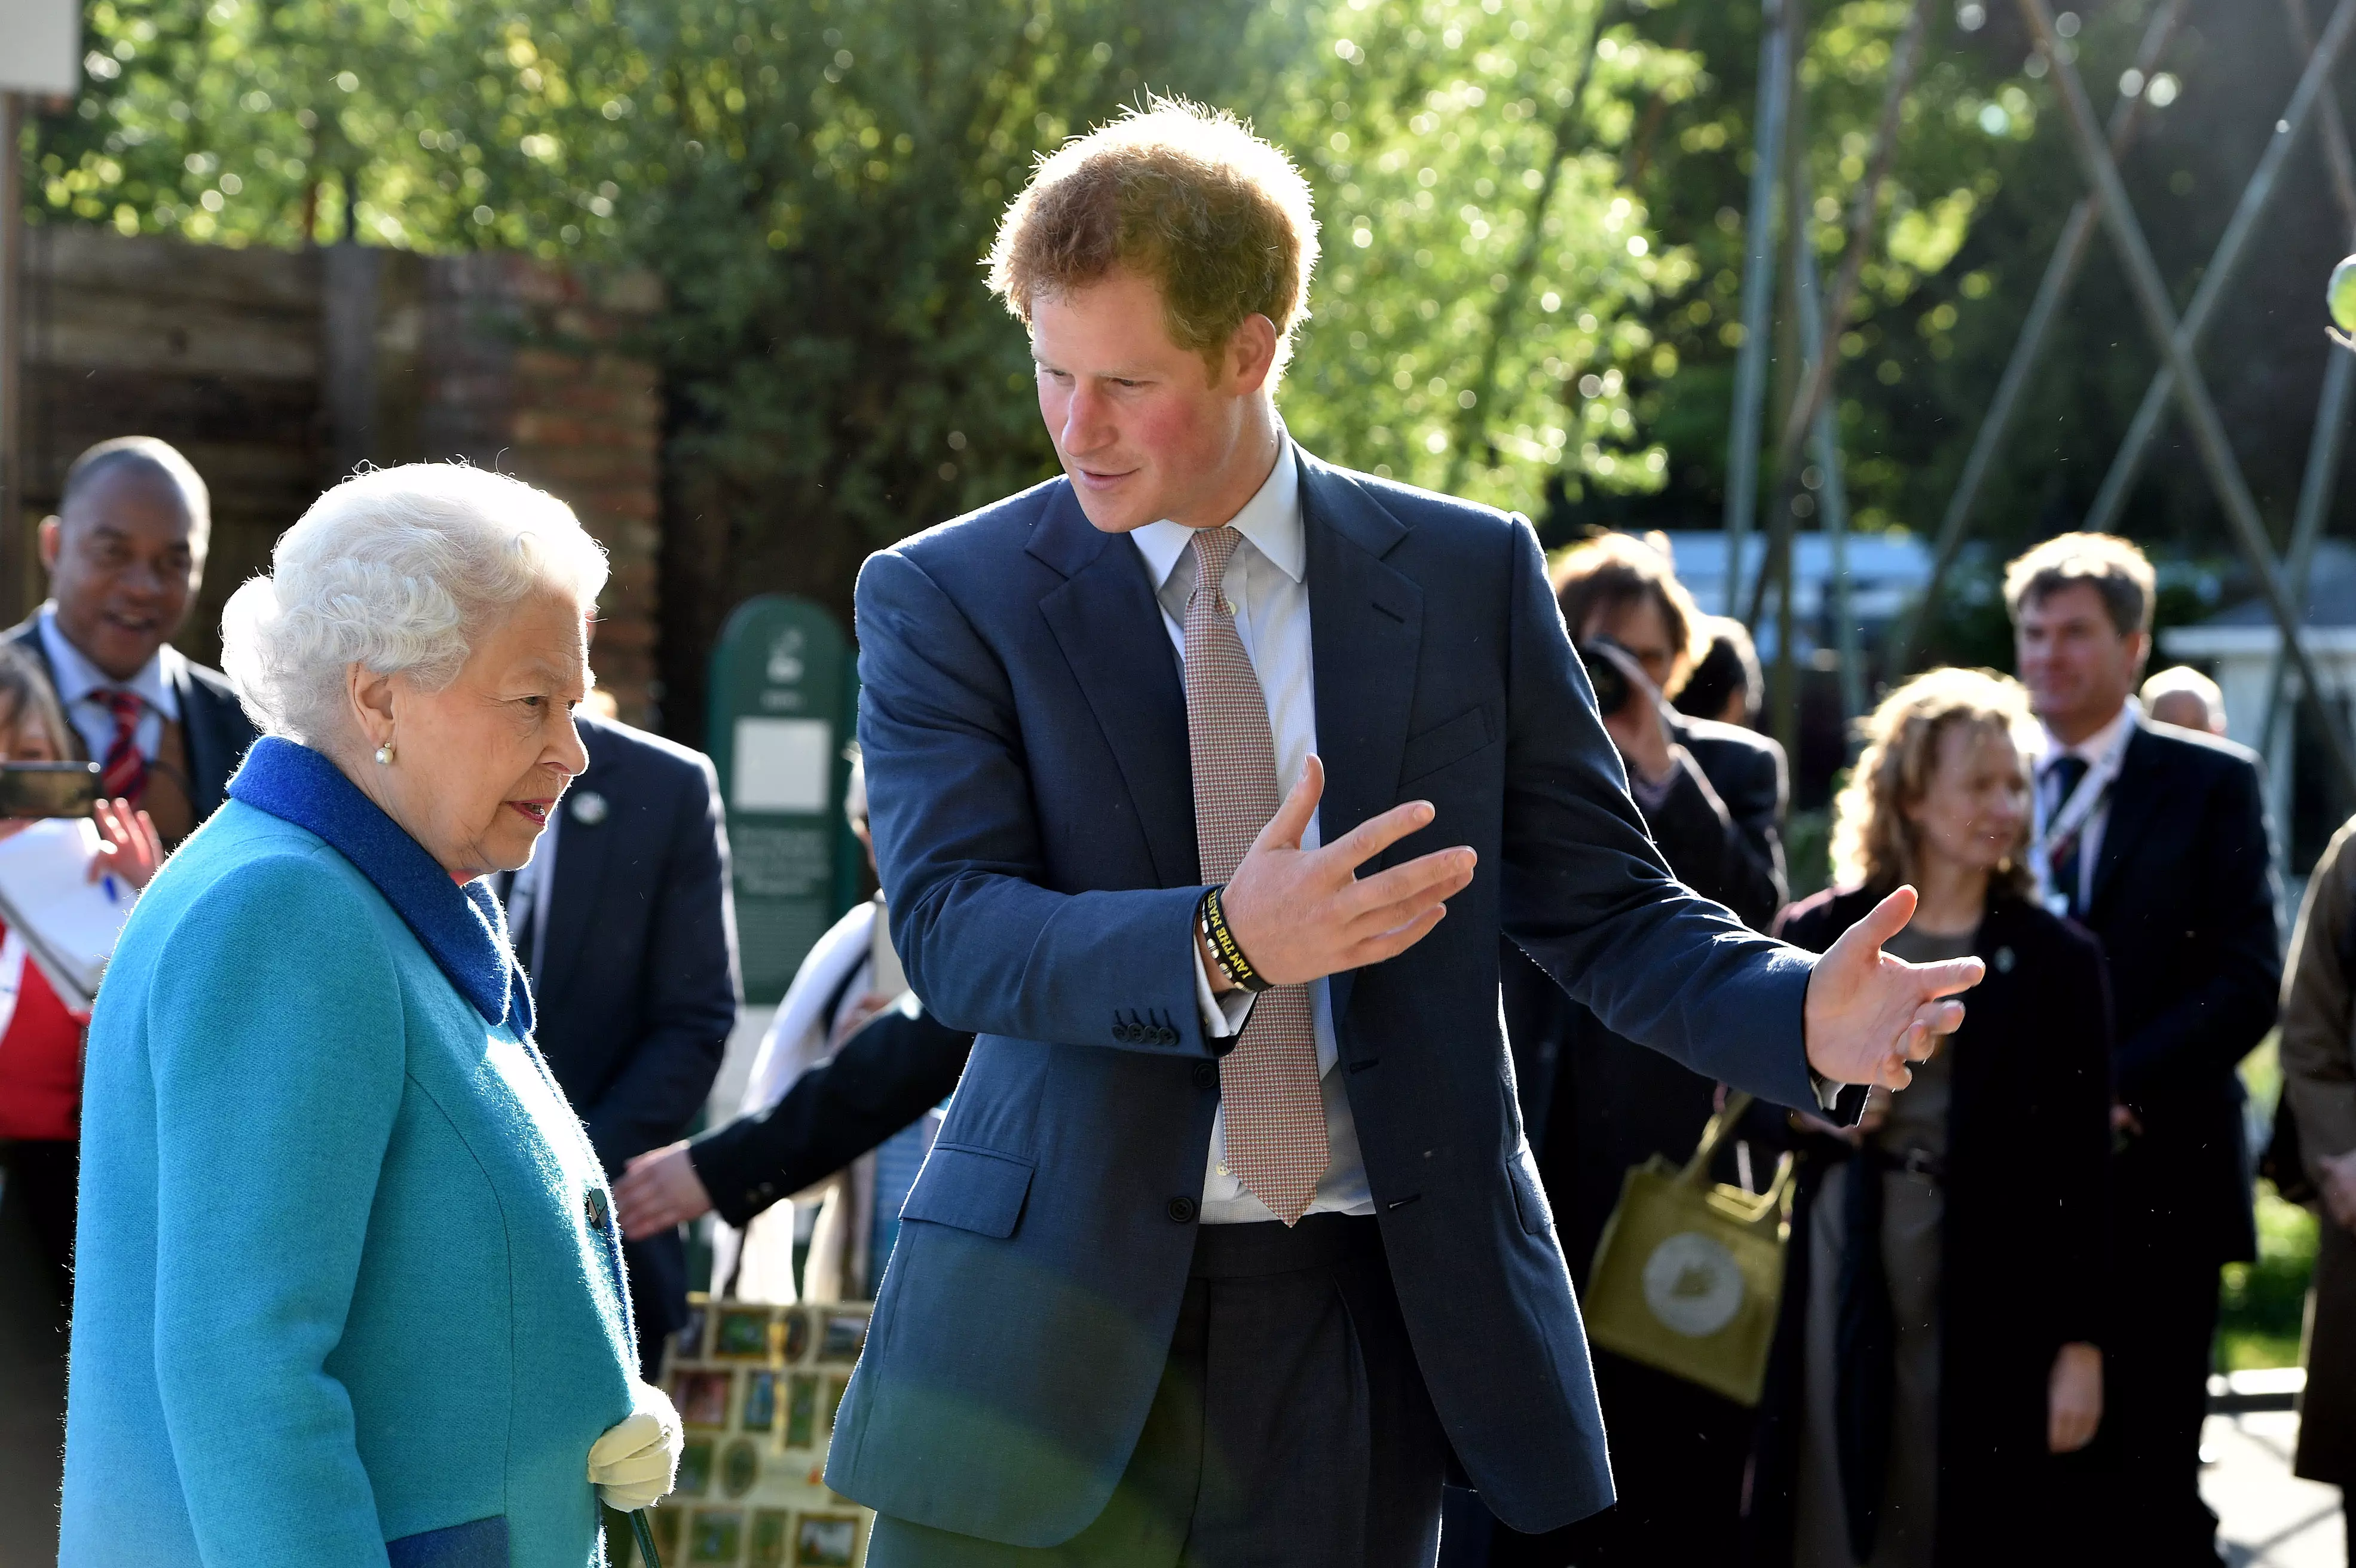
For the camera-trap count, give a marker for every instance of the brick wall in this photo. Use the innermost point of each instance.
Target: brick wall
(279, 371)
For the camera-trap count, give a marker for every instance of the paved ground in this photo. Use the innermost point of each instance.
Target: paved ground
(2269, 1517)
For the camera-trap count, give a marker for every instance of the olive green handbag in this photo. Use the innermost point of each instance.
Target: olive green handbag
(1689, 1271)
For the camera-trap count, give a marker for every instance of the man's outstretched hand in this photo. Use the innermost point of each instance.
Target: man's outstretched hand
(1301, 914)
(1869, 1015)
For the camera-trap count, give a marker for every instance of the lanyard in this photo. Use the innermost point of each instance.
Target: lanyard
(2056, 833)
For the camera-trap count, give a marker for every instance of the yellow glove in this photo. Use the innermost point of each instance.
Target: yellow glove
(632, 1465)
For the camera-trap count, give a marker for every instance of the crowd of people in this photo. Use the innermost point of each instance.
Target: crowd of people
(1300, 918)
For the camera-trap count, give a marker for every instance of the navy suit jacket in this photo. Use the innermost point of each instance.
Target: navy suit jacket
(1024, 727)
(2184, 905)
(638, 989)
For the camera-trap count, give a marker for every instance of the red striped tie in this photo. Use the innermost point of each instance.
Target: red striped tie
(123, 774)
(1269, 1084)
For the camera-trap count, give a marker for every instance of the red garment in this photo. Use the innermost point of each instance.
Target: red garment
(40, 1052)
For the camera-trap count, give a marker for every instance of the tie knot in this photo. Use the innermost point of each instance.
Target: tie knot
(1214, 548)
(126, 705)
(2069, 770)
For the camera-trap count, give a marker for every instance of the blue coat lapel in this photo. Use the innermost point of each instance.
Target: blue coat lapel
(1367, 629)
(464, 929)
(1108, 625)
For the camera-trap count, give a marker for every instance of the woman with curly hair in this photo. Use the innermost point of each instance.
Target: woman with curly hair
(1936, 1353)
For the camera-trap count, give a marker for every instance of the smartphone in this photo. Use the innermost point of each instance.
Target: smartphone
(48, 789)
(1612, 690)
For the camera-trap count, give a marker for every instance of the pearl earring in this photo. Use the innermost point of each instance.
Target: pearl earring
(384, 755)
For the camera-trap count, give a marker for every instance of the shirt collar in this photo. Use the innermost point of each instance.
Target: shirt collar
(463, 929)
(77, 678)
(1271, 520)
(2103, 744)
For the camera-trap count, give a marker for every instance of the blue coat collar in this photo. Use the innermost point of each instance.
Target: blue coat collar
(463, 928)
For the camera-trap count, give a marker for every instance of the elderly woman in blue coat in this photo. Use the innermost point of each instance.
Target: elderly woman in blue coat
(349, 1286)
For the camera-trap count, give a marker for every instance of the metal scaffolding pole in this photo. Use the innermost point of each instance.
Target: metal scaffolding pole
(2232, 246)
(2191, 391)
(1832, 493)
(2060, 273)
(1758, 295)
(2330, 413)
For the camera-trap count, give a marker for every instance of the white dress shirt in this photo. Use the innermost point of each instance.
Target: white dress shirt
(1267, 584)
(2102, 752)
(81, 683)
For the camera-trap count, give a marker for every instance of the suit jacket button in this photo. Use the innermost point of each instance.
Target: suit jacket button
(594, 1204)
(1182, 1211)
(1126, 1034)
(1168, 1037)
(1207, 1074)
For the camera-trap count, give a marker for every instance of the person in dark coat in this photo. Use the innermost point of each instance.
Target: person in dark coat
(2319, 1068)
(1596, 1104)
(2156, 839)
(625, 922)
(889, 1072)
(125, 554)
(1937, 1349)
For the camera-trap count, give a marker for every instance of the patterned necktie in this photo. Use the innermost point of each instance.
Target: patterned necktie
(123, 774)
(1268, 1084)
(2061, 861)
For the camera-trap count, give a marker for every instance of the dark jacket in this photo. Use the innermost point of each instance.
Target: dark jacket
(2023, 1239)
(894, 1068)
(1024, 728)
(1595, 1101)
(2184, 905)
(638, 990)
(212, 720)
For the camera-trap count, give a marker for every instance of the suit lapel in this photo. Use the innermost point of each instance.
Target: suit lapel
(1109, 627)
(2134, 796)
(208, 769)
(582, 852)
(1366, 632)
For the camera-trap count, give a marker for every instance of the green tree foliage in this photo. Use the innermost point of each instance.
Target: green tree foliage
(1532, 229)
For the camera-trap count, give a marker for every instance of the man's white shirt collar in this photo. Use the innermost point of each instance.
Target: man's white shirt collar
(77, 678)
(2103, 745)
(1271, 520)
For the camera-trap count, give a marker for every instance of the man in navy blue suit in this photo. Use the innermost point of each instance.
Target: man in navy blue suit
(1231, 1247)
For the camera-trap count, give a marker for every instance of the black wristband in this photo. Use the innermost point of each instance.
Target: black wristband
(1212, 920)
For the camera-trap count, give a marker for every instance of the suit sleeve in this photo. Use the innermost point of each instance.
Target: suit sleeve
(893, 1068)
(2319, 1072)
(1585, 893)
(690, 978)
(986, 945)
(2216, 1023)
(2073, 1109)
(276, 1047)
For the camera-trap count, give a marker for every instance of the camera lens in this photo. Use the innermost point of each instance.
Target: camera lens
(1611, 685)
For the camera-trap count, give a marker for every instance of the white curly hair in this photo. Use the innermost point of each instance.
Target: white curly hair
(399, 570)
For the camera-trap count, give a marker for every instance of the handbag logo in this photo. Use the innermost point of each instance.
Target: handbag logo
(1693, 1284)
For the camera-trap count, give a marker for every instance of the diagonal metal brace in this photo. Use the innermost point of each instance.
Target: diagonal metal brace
(2191, 391)
(2312, 93)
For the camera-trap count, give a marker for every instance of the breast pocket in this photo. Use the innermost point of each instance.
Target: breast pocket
(975, 1189)
(1449, 741)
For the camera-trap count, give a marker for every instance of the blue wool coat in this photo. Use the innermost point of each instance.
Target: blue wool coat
(347, 1276)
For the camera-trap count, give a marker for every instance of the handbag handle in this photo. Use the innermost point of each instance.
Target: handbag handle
(1697, 1171)
(1766, 1209)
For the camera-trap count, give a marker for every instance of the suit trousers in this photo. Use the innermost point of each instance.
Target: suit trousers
(2156, 1362)
(1291, 1427)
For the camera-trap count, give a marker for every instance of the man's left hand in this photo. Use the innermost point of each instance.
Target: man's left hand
(658, 1191)
(1868, 1014)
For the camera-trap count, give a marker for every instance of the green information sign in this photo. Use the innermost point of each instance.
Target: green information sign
(782, 714)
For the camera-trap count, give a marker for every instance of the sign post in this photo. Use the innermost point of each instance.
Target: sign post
(40, 52)
(782, 717)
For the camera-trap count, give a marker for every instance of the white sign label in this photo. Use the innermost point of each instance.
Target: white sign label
(782, 764)
(40, 46)
(1693, 1284)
